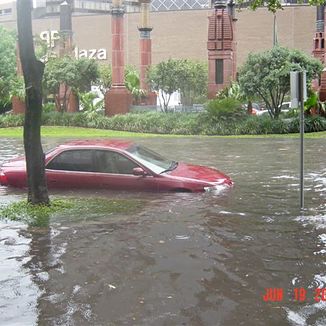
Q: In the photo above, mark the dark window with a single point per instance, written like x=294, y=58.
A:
x=316, y=44
x=6, y=11
x=112, y=162
x=74, y=160
x=219, y=71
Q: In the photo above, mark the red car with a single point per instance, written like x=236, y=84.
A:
x=115, y=164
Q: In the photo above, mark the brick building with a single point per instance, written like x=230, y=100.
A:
x=179, y=31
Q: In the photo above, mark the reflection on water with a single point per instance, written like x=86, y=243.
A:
x=185, y=259
x=18, y=295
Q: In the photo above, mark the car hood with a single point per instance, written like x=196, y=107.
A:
x=199, y=172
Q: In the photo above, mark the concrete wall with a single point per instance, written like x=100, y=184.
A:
x=183, y=34
x=7, y=5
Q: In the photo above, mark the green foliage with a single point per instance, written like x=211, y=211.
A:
x=77, y=208
x=315, y=123
x=233, y=91
x=311, y=101
x=78, y=74
x=164, y=76
x=274, y=5
x=190, y=78
x=42, y=50
x=176, y=123
x=49, y=107
x=35, y=215
x=88, y=103
x=11, y=120
x=91, y=105
x=132, y=82
x=267, y=75
x=7, y=65
x=88, y=73
x=17, y=87
x=104, y=80
x=225, y=109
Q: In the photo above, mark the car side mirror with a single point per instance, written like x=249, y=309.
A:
x=139, y=171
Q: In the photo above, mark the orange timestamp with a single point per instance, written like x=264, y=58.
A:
x=298, y=294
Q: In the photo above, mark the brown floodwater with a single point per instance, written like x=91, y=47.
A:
x=182, y=259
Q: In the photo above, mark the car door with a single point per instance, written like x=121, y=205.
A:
x=115, y=171
x=72, y=169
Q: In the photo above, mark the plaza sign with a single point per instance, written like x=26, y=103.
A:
x=52, y=37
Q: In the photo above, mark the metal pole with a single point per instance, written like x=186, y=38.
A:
x=301, y=99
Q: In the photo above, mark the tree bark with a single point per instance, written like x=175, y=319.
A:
x=249, y=107
x=33, y=74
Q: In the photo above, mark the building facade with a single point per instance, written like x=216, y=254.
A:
x=179, y=34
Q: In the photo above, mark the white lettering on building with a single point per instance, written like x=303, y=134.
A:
x=52, y=37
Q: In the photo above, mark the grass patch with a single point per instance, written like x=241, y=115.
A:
x=75, y=132
x=36, y=215
x=75, y=208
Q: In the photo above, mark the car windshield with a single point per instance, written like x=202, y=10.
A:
x=150, y=159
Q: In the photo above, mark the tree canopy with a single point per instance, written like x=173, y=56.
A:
x=273, y=5
x=267, y=75
x=188, y=77
x=76, y=73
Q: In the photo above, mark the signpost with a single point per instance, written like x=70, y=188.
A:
x=298, y=96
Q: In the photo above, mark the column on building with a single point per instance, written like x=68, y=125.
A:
x=117, y=99
x=66, y=100
x=319, y=51
x=319, y=41
x=145, y=46
x=221, y=47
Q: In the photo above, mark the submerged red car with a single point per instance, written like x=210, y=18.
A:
x=115, y=164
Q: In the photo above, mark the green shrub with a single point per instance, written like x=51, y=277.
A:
x=315, y=123
x=49, y=107
x=174, y=123
x=225, y=109
x=312, y=124
x=11, y=120
x=250, y=126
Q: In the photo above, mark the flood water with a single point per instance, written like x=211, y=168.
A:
x=183, y=259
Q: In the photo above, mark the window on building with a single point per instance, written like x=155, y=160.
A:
x=6, y=11
x=219, y=71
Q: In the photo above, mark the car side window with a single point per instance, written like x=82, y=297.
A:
x=73, y=160
x=112, y=162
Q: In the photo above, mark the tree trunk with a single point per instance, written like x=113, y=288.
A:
x=33, y=73
x=249, y=107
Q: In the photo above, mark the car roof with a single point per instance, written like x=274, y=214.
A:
x=99, y=143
